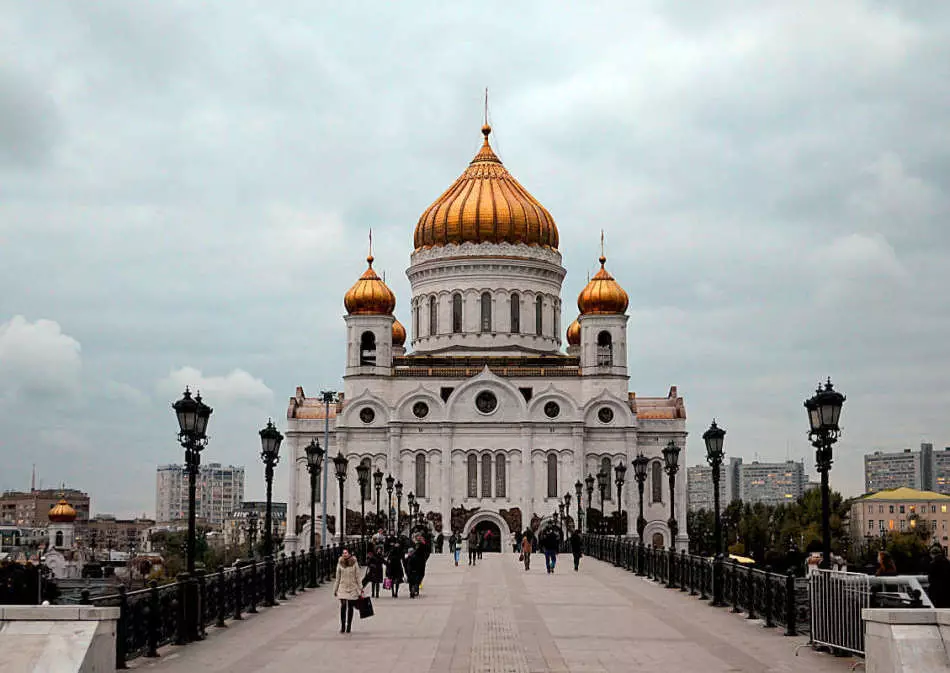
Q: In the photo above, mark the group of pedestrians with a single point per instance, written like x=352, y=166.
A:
x=549, y=541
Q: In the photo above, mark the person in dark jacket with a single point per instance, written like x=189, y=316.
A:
x=395, y=570
x=374, y=571
x=414, y=570
x=550, y=541
x=474, y=542
x=439, y=542
x=576, y=549
x=938, y=576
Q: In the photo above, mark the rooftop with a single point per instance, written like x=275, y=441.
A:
x=904, y=493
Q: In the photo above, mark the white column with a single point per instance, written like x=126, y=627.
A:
x=445, y=498
x=290, y=539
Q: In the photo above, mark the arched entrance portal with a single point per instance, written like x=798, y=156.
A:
x=489, y=534
x=491, y=522
x=658, y=540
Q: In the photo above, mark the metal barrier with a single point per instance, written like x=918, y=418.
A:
x=837, y=599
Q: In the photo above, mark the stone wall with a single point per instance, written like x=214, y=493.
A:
x=906, y=640
x=63, y=638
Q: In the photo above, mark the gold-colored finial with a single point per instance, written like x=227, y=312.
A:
x=369, y=257
x=603, y=258
x=486, y=127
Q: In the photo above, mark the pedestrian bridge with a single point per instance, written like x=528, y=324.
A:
x=495, y=617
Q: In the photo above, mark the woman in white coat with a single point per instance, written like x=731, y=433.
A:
x=347, y=588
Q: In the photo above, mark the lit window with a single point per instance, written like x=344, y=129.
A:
x=943, y=509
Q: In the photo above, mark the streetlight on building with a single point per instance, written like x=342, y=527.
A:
x=270, y=446
x=579, y=492
x=314, y=459
x=589, y=482
x=378, y=484
x=362, y=478
x=824, y=410
x=713, y=438
x=339, y=465
x=390, y=480
x=671, y=458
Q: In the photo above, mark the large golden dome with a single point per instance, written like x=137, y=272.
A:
x=62, y=512
x=486, y=205
x=603, y=294
x=369, y=295
x=574, y=333
x=399, y=334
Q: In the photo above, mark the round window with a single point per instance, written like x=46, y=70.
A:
x=367, y=415
x=605, y=414
x=551, y=409
x=486, y=401
x=420, y=409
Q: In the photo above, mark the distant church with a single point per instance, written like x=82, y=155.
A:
x=486, y=420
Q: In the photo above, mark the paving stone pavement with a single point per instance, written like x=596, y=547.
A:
x=497, y=618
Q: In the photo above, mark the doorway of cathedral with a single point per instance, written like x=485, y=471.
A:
x=490, y=535
x=658, y=540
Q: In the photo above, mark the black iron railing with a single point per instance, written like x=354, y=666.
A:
x=154, y=617
x=776, y=599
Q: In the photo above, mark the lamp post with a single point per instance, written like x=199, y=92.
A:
x=378, y=484
x=671, y=458
x=620, y=472
x=411, y=501
x=603, y=478
x=339, y=465
x=398, y=507
x=579, y=492
x=640, y=475
x=390, y=480
x=714, y=454
x=415, y=513
x=193, y=415
x=328, y=397
x=314, y=457
x=567, y=508
x=824, y=410
x=362, y=478
x=589, y=482
x=251, y=529
x=270, y=446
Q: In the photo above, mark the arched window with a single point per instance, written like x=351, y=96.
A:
x=605, y=350
x=59, y=538
x=415, y=322
x=456, y=313
x=472, y=476
x=368, y=350
x=557, y=319
x=606, y=467
x=552, y=475
x=501, y=468
x=486, y=312
x=366, y=488
x=420, y=476
x=433, y=317
x=656, y=482
x=486, y=476
x=515, y=313
x=538, y=322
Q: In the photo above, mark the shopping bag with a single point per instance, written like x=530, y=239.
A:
x=521, y=557
x=365, y=606
x=388, y=583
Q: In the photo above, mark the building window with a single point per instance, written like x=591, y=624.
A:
x=933, y=509
x=456, y=313
x=903, y=523
x=656, y=482
x=420, y=476
x=902, y=509
x=515, y=313
x=605, y=350
x=870, y=509
x=870, y=524
x=472, y=475
x=368, y=350
x=366, y=489
x=605, y=467
x=501, y=468
x=552, y=475
x=486, y=312
x=433, y=317
x=415, y=322
x=538, y=323
x=486, y=476
x=59, y=538
x=891, y=508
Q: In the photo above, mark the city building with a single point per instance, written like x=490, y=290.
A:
x=733, y=480
x=31, y=508
x=487, y=421
x=941, y=471
x=772, y=483
x=900, y=510
x=106, y=533
x=219, y=490
x=921, y=469
x=249, y=522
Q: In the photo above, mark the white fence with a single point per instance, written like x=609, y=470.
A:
x=837, y=599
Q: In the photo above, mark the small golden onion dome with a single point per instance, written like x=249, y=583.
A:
x=574, y=333
x=603, y=294
x=486, y=205
x=62, y=512
x=399, y=334
x=369, y=295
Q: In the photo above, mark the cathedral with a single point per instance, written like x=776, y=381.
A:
x=484, y=418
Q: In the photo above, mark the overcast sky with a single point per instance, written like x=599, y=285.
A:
x=186, y=189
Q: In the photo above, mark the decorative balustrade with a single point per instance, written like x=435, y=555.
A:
x=776, y=599
x=153, y=617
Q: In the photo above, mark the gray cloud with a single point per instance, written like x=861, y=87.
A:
x=187, y=190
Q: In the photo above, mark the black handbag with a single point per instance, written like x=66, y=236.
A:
x=365, y=606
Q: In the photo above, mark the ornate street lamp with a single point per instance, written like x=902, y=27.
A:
x=671, y=458
x=589, y=482
x=390, y=480
x=567, y=507
x=640, y=464
x=378, y=484
x=620, y=471
x=824, y=409
x=314, y=457
x=417, y=521
x=339, y=465
x=603, y=478
x=410, y=508
x=362, y=478
x=270, y=446
x=714, y=454
x=193, y=415
x=398, y=507
x=250, y=528
x=579, y=492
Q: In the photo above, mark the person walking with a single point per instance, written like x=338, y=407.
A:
x=439, y=543
x=395, y=570
x=549, y=544
x=374, y=571
x=473, y=546
x=526, y=552
x=576, y=549
x=347, y=588
x=414, y=570
x=938, y=577
x=455, y=544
